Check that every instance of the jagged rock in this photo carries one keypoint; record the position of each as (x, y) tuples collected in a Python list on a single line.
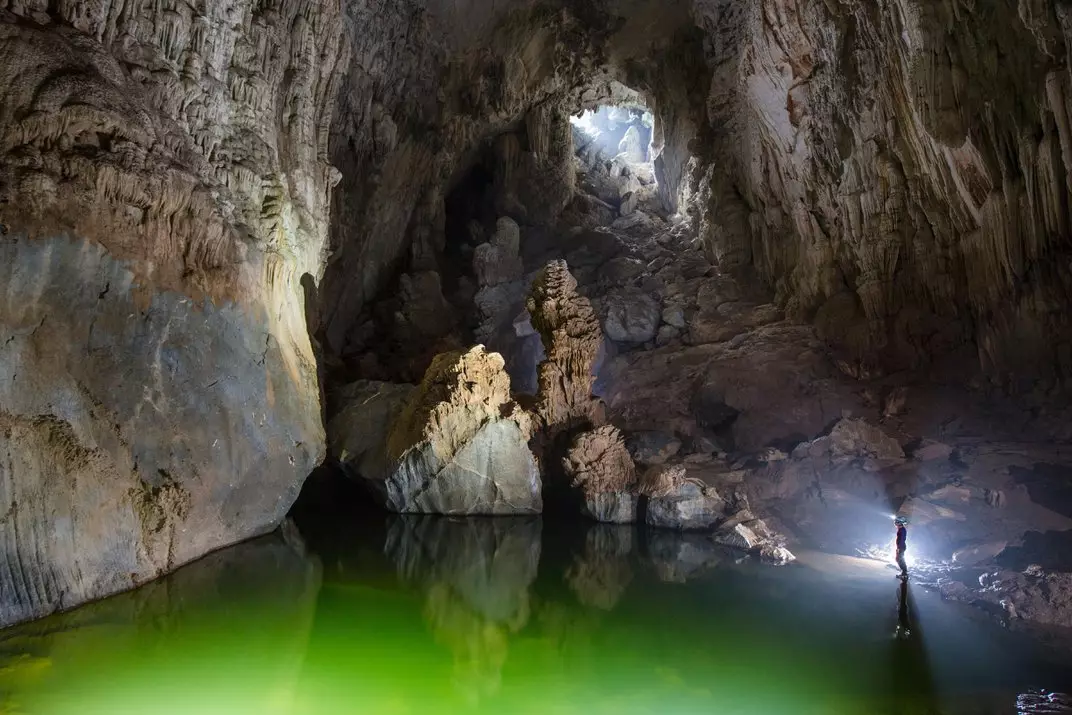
[(677, 502), (460, 444), (600, 467), (571, 340), (632, 316)]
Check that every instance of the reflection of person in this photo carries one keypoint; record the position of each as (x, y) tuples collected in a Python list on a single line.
[(902, 544), (904, 623)]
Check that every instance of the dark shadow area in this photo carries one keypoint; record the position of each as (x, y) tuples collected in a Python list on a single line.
[(1052, 550), (1048, 484)]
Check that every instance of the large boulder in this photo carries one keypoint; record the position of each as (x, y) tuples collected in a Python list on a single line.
[(677, 502), (631, 316), (460, 444)]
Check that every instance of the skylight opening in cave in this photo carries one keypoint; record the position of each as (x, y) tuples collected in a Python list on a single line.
[(623, 131)]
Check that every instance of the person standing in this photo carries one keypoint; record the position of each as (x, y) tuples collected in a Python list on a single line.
[(902, 545)]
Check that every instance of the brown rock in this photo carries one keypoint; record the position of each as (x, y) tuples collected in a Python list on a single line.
[(856, 438), (571, 339), (460, 444), (599, 461)]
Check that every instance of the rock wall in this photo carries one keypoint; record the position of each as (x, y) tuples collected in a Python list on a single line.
[(433, 84), (898, 172), (164, 193)]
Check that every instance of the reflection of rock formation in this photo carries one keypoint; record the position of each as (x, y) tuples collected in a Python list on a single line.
[(244, 610), (679, 556), (476, 575), (601, 574)]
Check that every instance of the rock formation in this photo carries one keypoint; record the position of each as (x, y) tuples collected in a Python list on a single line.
[(843, 201), (164, 195), (459, 444), (602, 469), (571, 340)]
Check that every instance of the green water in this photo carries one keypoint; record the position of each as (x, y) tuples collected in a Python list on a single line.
[(431, 615)]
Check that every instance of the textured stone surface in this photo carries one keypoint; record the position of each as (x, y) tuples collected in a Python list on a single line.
[(571, 341), (599, 462), (631, 316), (164, 193), (904, 165), (677, 502), (459, 445)]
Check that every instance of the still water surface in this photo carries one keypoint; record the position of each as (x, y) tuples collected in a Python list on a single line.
[(434, 615)]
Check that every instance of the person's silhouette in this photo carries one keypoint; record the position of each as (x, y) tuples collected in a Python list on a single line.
[(902, 545)]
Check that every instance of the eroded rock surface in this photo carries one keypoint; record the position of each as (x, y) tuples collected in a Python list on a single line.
[(602, 469), (164, 194), (459, 445), (571, 338)]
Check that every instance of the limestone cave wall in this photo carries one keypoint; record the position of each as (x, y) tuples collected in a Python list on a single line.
[(164, 189), (898, 172)]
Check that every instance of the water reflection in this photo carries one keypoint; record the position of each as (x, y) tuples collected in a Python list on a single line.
[(601, 573), (678, 557), (227, 634), (438, 615), (476, 575)]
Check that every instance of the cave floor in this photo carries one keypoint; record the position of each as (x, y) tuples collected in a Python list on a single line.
[(431, 614)]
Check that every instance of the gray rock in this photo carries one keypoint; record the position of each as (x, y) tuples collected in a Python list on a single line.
[(652, 447), (494, 473), (691, 506), (666, 335), (631, 316), (611, 507), (674, 315), (156, 430)]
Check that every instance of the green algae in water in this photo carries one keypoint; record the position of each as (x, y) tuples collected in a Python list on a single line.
[(490, 616)]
